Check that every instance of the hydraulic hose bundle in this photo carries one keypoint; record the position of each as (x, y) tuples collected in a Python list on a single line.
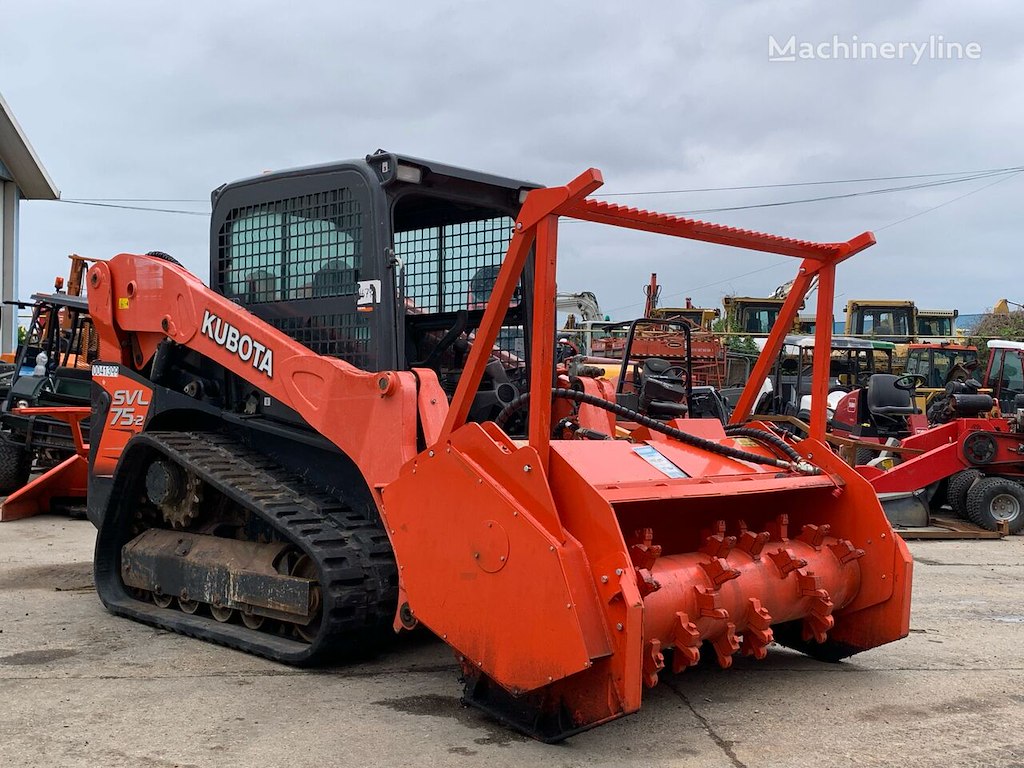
[(796, 462)]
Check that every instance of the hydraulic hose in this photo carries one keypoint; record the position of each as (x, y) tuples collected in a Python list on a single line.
[(797, 464), (736, 430)]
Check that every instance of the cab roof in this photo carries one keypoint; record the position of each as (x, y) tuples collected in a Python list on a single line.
[(1003, 344), (372, 164), (840, 343)]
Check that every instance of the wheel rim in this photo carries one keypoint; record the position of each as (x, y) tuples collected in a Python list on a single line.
[(163, 601), (188, 606), (221, 613), (305, 568), (1005, 508), (252, 620)]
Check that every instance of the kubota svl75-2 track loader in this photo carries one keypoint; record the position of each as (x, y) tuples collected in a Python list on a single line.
[(360, 426)]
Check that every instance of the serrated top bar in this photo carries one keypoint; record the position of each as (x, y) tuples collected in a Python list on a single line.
[(694, 229)]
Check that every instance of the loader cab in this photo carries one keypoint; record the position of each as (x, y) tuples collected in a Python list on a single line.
[(852, 362), (893, 321), (939, 364), (1005, 372), (386, 262)]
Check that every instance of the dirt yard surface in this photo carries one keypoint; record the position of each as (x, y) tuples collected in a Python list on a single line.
[(81, 687)]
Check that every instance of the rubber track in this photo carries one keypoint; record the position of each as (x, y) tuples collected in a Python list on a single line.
[(358, 577)]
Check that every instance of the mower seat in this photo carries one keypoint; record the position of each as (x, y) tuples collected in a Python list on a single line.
[(885, 400)]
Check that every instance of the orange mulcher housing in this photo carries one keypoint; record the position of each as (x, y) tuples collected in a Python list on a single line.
[(565, 573)]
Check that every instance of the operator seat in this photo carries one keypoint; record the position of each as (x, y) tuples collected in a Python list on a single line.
[(885, 400)]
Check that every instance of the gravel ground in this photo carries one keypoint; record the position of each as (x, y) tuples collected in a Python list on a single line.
[(82, 688)]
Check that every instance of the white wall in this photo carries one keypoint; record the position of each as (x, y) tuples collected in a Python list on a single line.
[(8, 265)]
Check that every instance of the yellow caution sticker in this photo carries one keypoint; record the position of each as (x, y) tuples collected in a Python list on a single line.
[(746, 442), (122, 303)]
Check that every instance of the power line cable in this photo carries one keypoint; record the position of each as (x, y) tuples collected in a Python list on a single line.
[(1001, 179), (861, 193), (134, 207), (139, 200), (806, 183), (952, 200)]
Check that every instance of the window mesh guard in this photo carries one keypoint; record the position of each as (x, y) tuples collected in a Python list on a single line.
[(299, 250), (454, 266)]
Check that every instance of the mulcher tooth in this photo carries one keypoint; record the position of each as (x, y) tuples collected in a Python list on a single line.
[(707, 601), (786, 561), (779, 527), (718, 545), (719, 571), (654, 662), (758, 633), (845, 552), (814, 535), (686, 641), (646, 582), (643, 552), (726, 645), (820, 620), (752, 543)]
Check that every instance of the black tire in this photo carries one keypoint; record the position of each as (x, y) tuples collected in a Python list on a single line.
[(993, 500), (959, 485), (15, 466)]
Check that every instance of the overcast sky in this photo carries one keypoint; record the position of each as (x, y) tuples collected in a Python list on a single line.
[(139, 100)]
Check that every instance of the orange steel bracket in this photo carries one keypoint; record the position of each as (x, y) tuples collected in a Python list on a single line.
[(824, 267), (539, 206), (69, 479), (537, 227)]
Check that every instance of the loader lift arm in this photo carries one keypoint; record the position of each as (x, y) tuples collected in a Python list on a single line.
[(138, 302)]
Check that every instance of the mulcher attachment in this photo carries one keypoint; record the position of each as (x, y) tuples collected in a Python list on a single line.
[(565, 595)]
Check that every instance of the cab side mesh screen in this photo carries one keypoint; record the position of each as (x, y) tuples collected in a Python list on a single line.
[(453, 266), (305, 251), (303, 247)]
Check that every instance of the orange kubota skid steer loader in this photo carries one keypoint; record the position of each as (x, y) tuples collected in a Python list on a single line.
[(360, 426)]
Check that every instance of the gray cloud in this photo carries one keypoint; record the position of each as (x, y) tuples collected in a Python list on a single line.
[(134, 100)]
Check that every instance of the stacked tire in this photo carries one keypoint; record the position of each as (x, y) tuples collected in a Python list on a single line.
[(15, 465), (987, 502)]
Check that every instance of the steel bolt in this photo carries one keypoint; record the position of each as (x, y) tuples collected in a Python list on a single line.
[(618, 571), (430, 453), (569, 606), (619, 626), (551, 549), (604, 579), (527, 468)]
